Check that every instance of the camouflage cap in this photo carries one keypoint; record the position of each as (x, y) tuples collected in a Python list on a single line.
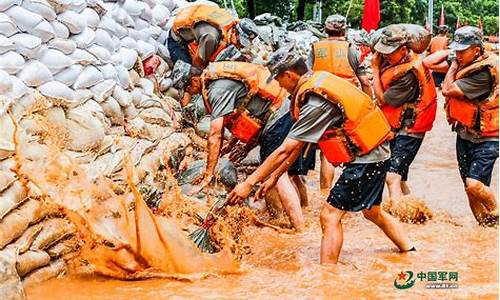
[(180, 74), (230, 53), (391, 39), (336, 23), (465, 37), (283, 59), (442, 28), (247, 31)]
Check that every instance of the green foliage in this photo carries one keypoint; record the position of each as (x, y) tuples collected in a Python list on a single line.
[(392, 11)]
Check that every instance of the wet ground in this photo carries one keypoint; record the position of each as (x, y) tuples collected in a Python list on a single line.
[(283, 266)]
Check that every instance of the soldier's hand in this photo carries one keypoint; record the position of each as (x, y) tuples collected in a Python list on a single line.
[(239, 193), (265, 187), (202, 182), (238, 153)]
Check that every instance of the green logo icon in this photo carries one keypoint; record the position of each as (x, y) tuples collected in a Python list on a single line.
[(404, 280)]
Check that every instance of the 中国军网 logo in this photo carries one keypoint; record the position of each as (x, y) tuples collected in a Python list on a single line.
[(433, 280)]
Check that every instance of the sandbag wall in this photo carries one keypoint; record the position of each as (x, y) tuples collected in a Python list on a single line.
[(90, 77)]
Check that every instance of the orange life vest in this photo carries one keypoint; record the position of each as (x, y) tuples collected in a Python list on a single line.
[(364, 126), (241, 123), (478, 117), (438, 43), (189, 16), (331, 55), (424, 108)]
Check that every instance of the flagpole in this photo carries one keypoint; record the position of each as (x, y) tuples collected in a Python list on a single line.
[(430, 15)]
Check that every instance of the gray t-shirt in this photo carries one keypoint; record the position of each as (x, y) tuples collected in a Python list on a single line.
[(316, 116), (224, 95), (353, 56), (403, 90), (476, 86)]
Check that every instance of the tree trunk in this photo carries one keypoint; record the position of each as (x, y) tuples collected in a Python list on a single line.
[(251, 9), (301, 7)]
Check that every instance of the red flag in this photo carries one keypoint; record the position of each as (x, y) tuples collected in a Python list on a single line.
[(480, 24), (441, 18), (371, 15), (458, 22)]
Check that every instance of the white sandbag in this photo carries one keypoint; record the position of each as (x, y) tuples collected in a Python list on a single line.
[(116, 59), (163, 52), (147, 86), (73, 21), (121, 96), (130, 112), (5, 82), (91, 17), (11, 62), (6, 44), (133, 7), (161, 15), (23, 18), (130, 43), (154, 31), (101, 53), (103, 38), (19, 89), (129, 57), (137, 35), (113, 111), (123, 78), (77, 5), (58, 92), (44, 31), (64, 45), (6, 4), (141, 24), (35, 73), (60, 29), (120, 31), (27, 45), (83, 95), (69, 75), (163, 37), (40, 7), (84, 129), (60, 5), (84, 39), (7, 26), (83, 57), (145, 50), (165, 84), (89, 77), (134, 77), (136, 96), (147, 13), (55, 60), (103, 90), (122, 18), (108, 72), (107, 23)]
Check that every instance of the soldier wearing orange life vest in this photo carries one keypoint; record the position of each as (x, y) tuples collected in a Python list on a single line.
[(471, 91), (239, 97), (201, 31), (350, 130), (405, 91), (337, 56)]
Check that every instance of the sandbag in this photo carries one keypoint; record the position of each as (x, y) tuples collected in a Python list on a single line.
[(69, 75), (17, 221), (58, 93), (113, 111), (108, 72), (24, 19), (63, 247), (77, 5), (103, 90), (145, 50), (82, 95), (10, 283), (7, 26), (84, 129), (23, 243), (165, 84), (121, 17), (101, 53), (6, 44), (141, 24), (11, 198), (84, 39), (133, 7), (129, 57), (130, 43), (83, 57), (55, 269), (418, 37), (35, 74), (89, 77), (155, 115), (160, 15), (60, 30), (91, 17), (55, 60), (19, 89), (64, 45), (134, 77), (40, 7), (44, 31), (103, 38), (147, 13), (121, 96), (60, 5), (108, 24), (123, 78), (73, 21), (30, 261), (120, 31), (27, 45), (6, 4), (53, 230), (5, 82)]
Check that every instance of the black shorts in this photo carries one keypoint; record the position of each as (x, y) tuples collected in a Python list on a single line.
[(177, 51), (438, 78), (275, 136), (476, 160), (359, 187), (403, 151)]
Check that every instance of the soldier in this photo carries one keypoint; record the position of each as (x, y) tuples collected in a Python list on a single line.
[(471, 91), (324, 106), (405, 92)]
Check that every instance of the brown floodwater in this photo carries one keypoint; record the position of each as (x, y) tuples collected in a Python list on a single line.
[(286, 266)]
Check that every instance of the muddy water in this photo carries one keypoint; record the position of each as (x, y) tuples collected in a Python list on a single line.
[(283, 266)]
